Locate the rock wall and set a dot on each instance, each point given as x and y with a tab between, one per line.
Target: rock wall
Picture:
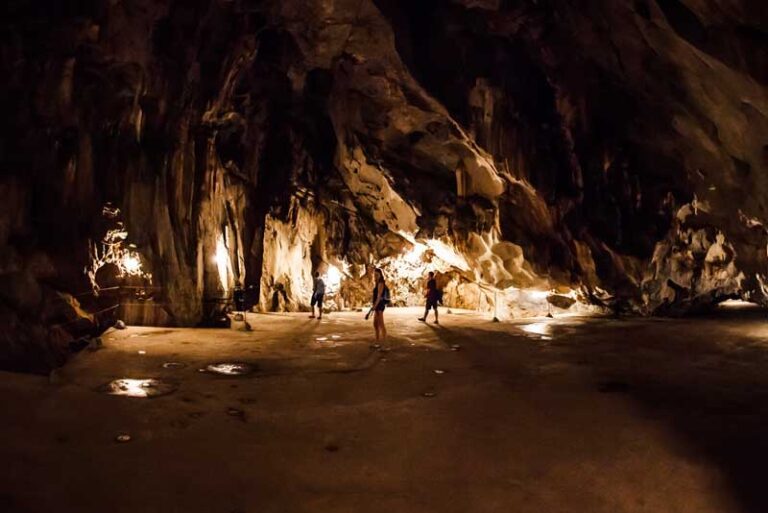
287	270
548	143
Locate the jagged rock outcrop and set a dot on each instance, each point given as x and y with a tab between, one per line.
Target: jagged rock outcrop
545	143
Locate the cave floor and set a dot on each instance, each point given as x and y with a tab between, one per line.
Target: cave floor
565	415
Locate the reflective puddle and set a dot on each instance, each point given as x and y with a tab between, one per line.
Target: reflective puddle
538	328
138	387
229	368
543	329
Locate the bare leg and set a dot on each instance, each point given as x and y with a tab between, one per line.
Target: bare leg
382	327
376	325
436	319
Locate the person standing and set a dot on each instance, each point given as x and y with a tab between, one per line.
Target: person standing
239	297
433	297
380	300
318	291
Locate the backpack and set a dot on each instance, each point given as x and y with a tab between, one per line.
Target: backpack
385	297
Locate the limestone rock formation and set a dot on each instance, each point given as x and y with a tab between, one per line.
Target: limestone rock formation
615	148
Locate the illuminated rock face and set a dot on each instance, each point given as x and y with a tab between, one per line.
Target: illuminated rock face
546	144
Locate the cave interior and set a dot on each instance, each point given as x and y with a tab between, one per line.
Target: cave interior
160	155
586	179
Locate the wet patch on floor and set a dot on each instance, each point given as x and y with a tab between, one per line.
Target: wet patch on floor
537	328
143	388
229	368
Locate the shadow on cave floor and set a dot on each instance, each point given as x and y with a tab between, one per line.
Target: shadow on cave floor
706	378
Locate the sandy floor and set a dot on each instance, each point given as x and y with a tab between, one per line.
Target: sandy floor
570	415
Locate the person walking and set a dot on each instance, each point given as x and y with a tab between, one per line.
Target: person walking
380	299
318	291
433	297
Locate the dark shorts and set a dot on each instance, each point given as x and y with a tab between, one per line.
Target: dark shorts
432	303
381	306
317	300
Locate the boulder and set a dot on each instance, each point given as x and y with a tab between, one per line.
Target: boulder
563	302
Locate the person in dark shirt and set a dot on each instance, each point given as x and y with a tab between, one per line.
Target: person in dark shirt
433	297
318	291
381	299
239	297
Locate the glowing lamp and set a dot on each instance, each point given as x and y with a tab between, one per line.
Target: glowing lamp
333	278
538	295
131	263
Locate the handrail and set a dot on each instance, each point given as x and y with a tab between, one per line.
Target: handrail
117	287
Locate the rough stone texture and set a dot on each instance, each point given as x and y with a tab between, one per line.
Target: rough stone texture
551	143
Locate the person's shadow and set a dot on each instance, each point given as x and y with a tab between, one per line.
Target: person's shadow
278	293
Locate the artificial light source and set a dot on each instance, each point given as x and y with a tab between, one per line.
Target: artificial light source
412	263
736	304
333	278
131	263
537	295
112	250
223	264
